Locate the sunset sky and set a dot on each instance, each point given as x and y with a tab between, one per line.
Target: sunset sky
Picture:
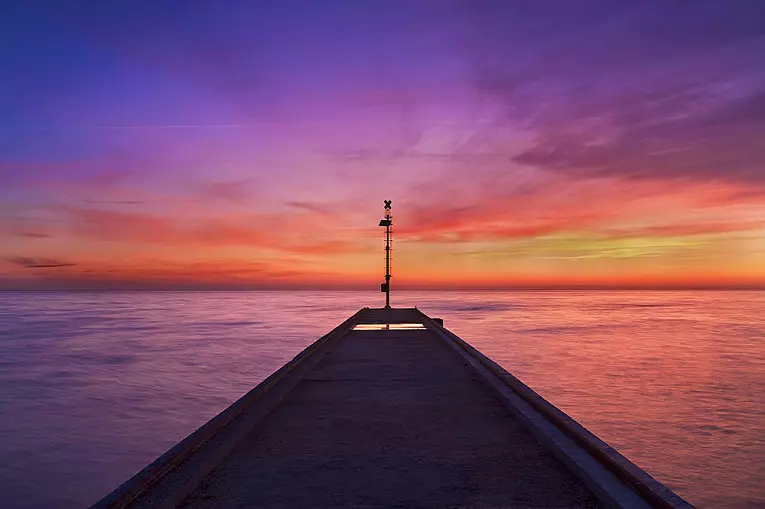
250	144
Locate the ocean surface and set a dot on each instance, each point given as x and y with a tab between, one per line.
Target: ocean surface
93	386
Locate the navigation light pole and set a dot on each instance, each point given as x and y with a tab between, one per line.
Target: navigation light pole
386	222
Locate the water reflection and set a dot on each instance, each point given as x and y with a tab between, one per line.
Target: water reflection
94	386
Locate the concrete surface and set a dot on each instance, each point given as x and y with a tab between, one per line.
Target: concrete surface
393	419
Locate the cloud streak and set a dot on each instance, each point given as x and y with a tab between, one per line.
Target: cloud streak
38	263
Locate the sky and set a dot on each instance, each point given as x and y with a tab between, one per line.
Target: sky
250	144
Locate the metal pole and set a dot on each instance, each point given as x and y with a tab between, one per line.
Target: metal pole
386	222
387	264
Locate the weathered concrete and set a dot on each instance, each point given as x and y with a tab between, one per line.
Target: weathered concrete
391	418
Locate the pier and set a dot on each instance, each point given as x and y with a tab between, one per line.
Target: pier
392	409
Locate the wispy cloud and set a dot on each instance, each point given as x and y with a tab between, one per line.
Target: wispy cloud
34	235
114	202
38	263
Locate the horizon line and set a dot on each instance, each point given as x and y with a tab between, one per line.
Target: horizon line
525	288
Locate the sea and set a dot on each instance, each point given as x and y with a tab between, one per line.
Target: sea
93	386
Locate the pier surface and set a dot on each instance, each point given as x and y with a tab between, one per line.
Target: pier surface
391	417
388	418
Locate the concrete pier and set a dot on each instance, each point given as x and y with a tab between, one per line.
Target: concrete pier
400	414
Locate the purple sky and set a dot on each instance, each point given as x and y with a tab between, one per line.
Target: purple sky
252	143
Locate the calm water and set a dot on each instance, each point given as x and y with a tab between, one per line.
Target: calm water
93	386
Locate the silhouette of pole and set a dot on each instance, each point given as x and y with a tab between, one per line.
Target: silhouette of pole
385	287
387	263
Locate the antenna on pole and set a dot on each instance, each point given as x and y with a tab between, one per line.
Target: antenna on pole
386	222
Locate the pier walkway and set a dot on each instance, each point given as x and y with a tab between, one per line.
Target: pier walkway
375	418
391	417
